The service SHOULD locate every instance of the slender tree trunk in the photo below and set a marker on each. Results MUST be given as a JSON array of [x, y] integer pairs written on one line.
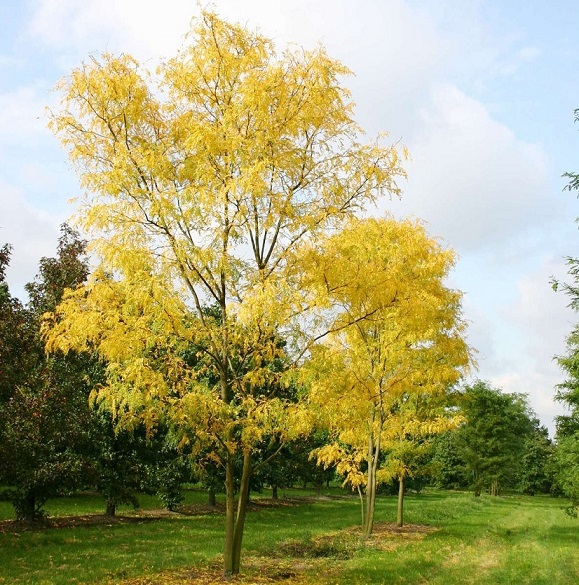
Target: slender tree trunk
[[370, 487], [400, 512], [477, 484], [374, 445], [228, 552], [362, 507], [241, 511], [229, 516], [274, 492]]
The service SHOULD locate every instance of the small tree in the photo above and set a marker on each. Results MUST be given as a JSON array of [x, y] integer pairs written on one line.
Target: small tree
[[411, 425], [45, 425], [397, 346], [448, 467], [535, 474]]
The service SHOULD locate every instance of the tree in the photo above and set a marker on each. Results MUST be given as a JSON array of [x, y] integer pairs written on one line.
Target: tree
[[448, 467], [44, 416], [205, 198], [566, 458], [492, 440], [380, 378], [411, 425], [17, 336], [535, 474]]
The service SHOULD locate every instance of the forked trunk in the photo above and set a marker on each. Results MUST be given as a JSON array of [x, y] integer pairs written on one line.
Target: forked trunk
[[368, 522], [371, 483]]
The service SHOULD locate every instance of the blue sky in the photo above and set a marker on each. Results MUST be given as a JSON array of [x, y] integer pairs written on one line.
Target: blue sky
[[481, 92]]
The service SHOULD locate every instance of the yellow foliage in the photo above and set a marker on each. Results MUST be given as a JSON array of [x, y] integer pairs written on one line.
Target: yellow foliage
[[203, 180], [396, 344]]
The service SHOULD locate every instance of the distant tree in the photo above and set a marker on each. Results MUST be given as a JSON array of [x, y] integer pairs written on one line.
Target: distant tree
[[44, 416], [18, 352], [296, 466], [535, 475], [448, 469], [492, 440]]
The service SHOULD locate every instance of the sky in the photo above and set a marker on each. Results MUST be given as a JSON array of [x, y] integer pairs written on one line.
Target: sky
[[482, 93]]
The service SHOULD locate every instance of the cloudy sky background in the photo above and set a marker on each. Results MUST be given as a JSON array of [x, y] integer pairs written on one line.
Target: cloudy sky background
[[481, 92]]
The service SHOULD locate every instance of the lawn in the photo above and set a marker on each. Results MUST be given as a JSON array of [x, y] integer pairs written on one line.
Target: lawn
[[450, 538]]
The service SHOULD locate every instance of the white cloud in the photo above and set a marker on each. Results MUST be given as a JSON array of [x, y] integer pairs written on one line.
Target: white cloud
[[470, 177], [540, 391], [66, 23], [145, 28], [543, 320], [22, 114], [31, 232]]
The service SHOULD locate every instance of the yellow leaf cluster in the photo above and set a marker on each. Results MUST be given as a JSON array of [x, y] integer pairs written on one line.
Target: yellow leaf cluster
[[397, 336]]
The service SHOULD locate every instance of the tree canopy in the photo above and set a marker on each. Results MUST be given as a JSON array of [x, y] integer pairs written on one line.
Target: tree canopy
[[396, 346]]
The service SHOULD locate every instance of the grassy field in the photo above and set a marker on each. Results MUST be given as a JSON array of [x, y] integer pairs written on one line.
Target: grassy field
[[449, 539]]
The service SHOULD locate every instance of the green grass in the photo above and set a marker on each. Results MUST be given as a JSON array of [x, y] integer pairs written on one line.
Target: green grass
[[513, 539]]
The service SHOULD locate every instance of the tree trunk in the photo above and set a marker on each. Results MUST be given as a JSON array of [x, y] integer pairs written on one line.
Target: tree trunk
[[27, 505], [241, 511], [374, 444], [111, 509], [212, 497], [400, 512], [318, 489], [229, 516], [370, 488], [362, 507], [274, 492]]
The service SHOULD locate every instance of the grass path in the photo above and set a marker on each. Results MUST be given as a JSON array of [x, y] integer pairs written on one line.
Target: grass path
[[501, 540]]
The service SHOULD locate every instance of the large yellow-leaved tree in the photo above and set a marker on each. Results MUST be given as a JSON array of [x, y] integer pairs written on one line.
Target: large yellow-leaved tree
[[396, 347], [203, 179]]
